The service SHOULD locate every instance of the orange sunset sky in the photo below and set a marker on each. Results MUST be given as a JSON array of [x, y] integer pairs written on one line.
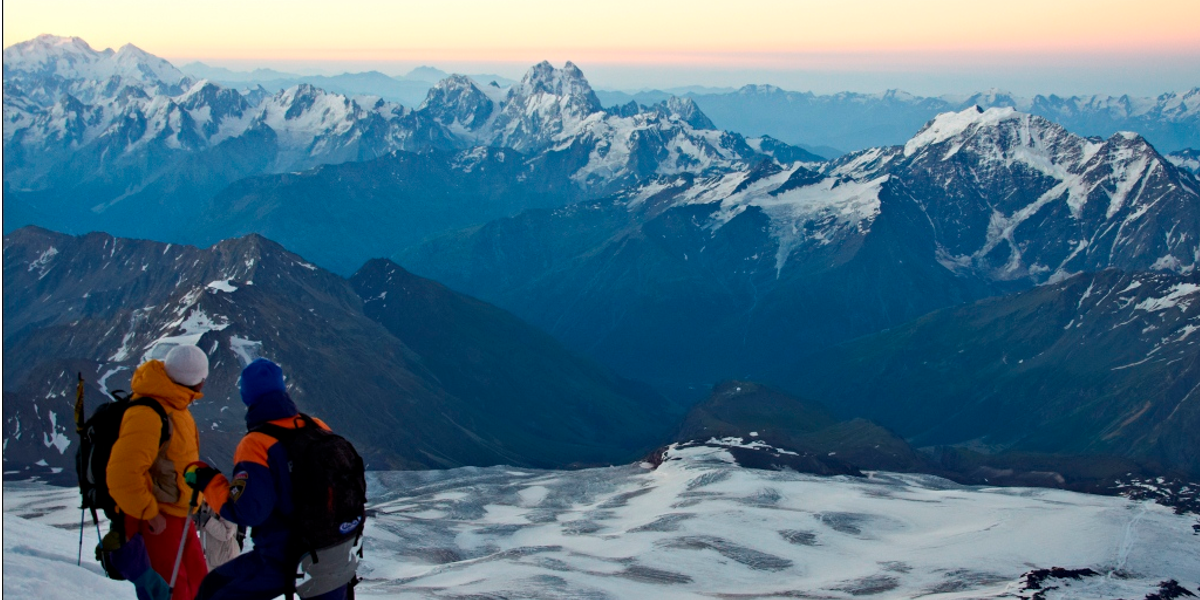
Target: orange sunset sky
[[1152, 44]]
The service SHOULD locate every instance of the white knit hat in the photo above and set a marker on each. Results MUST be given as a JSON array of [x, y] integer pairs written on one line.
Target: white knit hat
[[187, 365]]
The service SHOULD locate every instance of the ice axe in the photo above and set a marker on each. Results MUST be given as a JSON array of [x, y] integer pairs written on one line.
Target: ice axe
[[187, 524]]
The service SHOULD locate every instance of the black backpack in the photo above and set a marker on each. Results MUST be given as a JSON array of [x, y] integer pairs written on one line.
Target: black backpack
[[97, 437], [329, 498]]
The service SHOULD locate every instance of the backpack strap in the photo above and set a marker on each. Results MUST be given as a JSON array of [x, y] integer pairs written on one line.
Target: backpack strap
[[283, 434]]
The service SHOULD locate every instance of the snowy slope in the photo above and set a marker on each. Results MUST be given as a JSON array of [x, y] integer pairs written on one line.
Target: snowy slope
[[701, 527]]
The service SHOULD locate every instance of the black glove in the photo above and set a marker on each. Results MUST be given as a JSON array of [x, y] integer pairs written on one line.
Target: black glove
[[199, 475]]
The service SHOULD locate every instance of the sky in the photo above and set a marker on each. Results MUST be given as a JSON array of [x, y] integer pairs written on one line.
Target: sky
[[921, 46]]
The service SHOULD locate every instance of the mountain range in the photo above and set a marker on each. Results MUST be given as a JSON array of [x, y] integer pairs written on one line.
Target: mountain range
[[416, 375], [89, 146], [883, 284], [779, 262]]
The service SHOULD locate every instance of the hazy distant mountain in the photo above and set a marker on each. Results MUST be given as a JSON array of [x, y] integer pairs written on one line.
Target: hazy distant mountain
[[433, 75], [200, 70], [1188, 158], [409, 90], [385, 204], [418, 376], [852, 121]]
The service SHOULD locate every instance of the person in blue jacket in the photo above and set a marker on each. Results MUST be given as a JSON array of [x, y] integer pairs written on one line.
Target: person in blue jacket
[[259, 496]]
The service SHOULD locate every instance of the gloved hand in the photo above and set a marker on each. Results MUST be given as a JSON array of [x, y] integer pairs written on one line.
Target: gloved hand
[[199, 475]]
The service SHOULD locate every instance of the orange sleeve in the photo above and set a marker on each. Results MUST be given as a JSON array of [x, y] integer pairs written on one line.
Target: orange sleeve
[[129, 465], [251, 450]]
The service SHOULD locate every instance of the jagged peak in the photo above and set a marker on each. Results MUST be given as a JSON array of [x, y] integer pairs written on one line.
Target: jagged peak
[[303, 89], [458, 98], [568, 82], [686, 110], [1133, 144]]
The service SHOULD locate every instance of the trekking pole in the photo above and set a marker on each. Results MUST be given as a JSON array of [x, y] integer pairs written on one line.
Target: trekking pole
[[82, 513], [79, 432], [187, 523]]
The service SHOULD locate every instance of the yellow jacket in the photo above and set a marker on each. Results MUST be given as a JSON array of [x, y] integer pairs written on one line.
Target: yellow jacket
[[142, 479]]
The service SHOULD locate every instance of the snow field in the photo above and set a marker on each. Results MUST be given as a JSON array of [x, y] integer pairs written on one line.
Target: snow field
[[699, 526], [702, 527]]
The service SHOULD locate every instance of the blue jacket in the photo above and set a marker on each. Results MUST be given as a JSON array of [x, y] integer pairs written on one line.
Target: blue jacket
[[260, 494]]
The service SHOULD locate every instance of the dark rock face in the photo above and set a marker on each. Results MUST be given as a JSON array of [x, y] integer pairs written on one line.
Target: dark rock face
[[101, 305], [546, 404], [680, 285], [1098, 364], [458, 101], [795, 433]]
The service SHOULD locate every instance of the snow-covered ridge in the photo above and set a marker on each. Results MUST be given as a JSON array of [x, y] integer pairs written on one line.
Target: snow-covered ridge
[[1023, 173], [70, 65], [805, 207], [949, 125]]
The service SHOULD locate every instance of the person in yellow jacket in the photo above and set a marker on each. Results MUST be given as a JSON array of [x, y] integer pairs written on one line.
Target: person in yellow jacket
[[146, 480]]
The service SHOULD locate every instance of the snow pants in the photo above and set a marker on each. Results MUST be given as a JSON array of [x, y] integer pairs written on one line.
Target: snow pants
[[252, 577], [162, 549]]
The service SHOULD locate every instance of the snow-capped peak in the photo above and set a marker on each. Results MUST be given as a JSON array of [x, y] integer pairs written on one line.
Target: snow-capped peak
[[953, 124], [134, 63], [48, 66], [46, 51]]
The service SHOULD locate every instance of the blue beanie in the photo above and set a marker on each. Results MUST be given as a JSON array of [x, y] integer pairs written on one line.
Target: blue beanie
[[260, 378]]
